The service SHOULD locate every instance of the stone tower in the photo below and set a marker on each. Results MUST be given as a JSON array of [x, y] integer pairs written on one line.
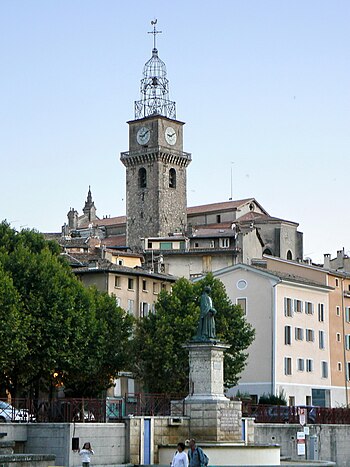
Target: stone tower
[[155, 163]]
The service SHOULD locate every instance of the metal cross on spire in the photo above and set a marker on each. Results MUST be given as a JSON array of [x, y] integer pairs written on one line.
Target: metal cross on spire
[[154, 32]]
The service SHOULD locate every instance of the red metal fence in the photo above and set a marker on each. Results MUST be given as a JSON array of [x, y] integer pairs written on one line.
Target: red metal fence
[[290, 414], [89, 410], [115, 409]]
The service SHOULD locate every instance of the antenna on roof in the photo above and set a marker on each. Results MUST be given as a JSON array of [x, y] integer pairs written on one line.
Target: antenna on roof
[[231, 197]]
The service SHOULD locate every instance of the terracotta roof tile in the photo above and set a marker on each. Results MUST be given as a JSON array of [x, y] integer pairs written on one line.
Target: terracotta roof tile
[[218, 206]]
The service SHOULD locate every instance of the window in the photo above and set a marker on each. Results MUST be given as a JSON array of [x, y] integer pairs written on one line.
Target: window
[[301, 364], [153, 308], [131, 284], [347, 341], [338, 337], [324, 369], [287, 366], [288, 308], [309, 308], [117, 281], [291, 401], [287, 335], [166, 246], [347, 314], [321, 312], [131, 307], [241, 284], [117, 301], [339, 366], [120, 262], [309, 335], [218, 219], [155, 287], [337, 282], [309, 365], [298, 306], [144, 286], [142, 178], [224, 242], [149, 244], [172, 178], [289, 255], [242, 302], [299, 334], [321, 340], [337, 311], [144, 309]]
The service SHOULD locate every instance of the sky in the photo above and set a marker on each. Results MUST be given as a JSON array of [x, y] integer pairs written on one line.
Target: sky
[[263, 87]]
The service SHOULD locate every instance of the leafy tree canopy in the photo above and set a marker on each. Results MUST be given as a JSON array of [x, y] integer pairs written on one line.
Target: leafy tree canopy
[[53, 330], [161, 362]]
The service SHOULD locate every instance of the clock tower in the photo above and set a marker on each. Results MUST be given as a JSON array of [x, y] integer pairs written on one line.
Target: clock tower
[[155, 164]]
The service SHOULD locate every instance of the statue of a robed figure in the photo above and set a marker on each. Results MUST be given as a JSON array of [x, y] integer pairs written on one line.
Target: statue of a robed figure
[[206, 326]]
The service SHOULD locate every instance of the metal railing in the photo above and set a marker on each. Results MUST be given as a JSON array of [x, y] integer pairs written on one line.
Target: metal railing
[[290, 414], [114, 409], [82, 410]]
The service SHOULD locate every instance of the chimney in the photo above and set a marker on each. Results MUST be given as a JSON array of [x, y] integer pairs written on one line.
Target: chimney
[[326, 261], [340, 258]]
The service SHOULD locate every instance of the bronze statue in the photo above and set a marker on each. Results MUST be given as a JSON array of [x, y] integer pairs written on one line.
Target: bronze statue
[[206, 326]]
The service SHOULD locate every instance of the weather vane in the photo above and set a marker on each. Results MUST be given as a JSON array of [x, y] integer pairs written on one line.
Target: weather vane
[[154, 32]]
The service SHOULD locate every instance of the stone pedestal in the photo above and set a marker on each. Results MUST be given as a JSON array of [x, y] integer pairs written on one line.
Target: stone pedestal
[[213, 417]]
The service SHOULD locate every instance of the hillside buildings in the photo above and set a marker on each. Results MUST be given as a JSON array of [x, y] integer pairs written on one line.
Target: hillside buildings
[[300, 312]]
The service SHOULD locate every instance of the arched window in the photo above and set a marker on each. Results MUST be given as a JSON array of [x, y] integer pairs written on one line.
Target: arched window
[[172, 178], [289, 255], [142, 178], [267, 251]]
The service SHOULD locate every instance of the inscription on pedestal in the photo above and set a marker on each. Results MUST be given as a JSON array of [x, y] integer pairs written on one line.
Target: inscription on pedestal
[[228, 420]]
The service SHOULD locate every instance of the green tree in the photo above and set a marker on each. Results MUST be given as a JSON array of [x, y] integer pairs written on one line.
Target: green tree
[[103, 346], [161, 362], [64, 328], [12, 329]]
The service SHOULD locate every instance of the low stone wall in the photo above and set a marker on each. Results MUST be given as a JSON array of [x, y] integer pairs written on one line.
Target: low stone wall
[[26, 460], [229, 454], [333, 440], [107, 439]]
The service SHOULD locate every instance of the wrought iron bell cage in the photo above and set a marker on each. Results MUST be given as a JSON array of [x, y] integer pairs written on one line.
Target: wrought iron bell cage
[[154, 90]]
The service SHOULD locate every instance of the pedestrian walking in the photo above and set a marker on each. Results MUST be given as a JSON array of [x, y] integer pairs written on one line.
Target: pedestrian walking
[[180, 458], [196, 455]]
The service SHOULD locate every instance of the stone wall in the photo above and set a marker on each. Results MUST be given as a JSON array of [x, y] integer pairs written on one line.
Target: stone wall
[[107, 440], [333, 440], [217, 421], [164, 434]]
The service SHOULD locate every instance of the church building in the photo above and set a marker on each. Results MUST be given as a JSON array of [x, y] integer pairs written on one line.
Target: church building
[[172, 237]]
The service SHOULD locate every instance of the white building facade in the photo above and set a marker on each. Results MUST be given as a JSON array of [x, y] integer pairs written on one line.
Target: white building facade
[[291, 347]]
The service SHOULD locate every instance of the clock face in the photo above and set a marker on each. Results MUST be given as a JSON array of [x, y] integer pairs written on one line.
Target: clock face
[[143, 135], [170, 135]]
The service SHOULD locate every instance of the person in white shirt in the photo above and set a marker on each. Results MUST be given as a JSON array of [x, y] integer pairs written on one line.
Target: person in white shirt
[[180, 458], [86, 454]]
